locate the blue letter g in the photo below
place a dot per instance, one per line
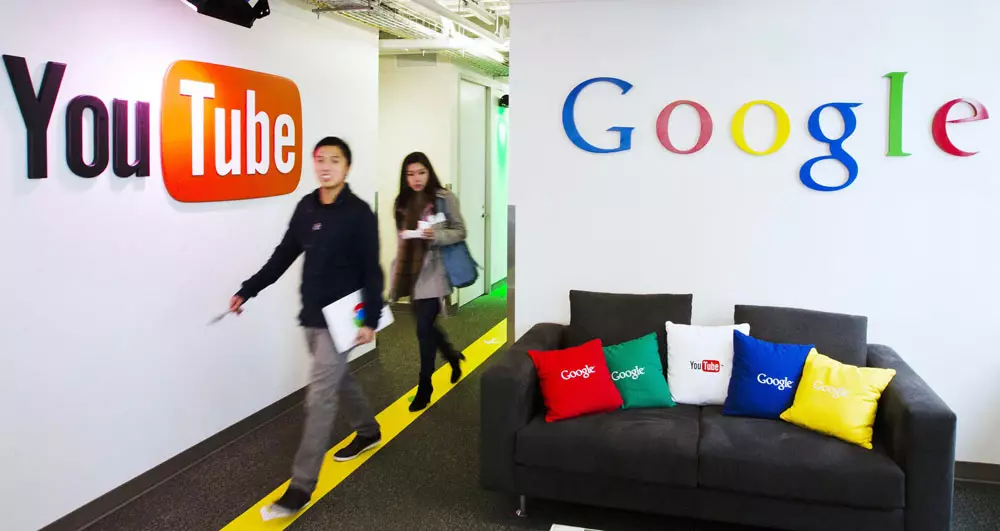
(569, 124)
(836, 147)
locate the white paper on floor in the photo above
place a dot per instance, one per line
(270, 512)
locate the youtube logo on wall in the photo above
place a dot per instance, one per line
(228, 133)
(225, 133)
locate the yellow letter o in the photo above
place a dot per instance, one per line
(780, 116)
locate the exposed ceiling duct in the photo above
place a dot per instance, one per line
(347, 5)
(439, 9)
(410, 46)
(469, 32)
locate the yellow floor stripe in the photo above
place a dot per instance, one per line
(393, 419)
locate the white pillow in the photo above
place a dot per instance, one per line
(700, 362)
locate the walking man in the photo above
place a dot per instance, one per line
(338, 233)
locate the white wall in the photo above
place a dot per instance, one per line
(107, 284)
(418, 111)
(909, 244)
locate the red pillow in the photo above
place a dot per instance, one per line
(576, 381)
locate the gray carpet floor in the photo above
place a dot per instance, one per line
(425, 479)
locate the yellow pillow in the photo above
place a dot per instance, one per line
(838, 399)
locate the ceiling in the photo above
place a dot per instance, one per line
(472, 33)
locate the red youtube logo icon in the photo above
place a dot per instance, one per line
(711, 366)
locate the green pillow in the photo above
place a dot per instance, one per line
(638, 373)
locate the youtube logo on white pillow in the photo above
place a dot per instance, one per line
(700, 362)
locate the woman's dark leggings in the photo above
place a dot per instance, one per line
(431, 339)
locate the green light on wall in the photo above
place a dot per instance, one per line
(502, 129)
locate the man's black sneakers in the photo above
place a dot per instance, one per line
(357, 447)
(290, 503)
(293, 500)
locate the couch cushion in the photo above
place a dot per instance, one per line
(765, 377)
(637, 372)
(840, 336)
(700, 362)
(776, 459)
(616, 318)
(651, 445)
(838, 400)
(575, 381)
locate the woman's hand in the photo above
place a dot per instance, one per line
(428, 233)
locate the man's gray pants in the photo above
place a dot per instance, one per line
(331, 382)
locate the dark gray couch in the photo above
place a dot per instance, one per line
(694, 462)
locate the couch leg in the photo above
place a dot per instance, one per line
(523, 510)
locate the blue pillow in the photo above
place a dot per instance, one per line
(765, 376)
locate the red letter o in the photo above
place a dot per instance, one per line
(663, 127)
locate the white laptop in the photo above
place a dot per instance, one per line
(346, 316)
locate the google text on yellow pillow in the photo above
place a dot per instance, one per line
(838, 399)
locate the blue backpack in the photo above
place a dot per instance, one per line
(462, 269)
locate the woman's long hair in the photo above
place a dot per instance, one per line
(405, 192)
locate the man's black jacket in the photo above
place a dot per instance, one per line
(340, 241)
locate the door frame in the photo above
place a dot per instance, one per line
(487, 172)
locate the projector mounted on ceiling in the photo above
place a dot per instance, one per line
(241, 12)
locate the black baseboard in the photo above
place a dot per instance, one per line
(977, 472)
(115, 499)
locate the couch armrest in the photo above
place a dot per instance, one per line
(509, 399)
(918, 429)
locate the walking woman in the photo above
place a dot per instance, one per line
(427, 218)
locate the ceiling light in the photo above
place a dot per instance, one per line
(477, 11)
(439, 9)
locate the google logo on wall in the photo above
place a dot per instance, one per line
(939, 129)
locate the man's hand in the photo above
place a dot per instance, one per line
(365, 335)
(236, 304)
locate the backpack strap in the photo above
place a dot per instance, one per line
(441, 206)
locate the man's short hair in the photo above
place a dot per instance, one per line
(334, 142)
